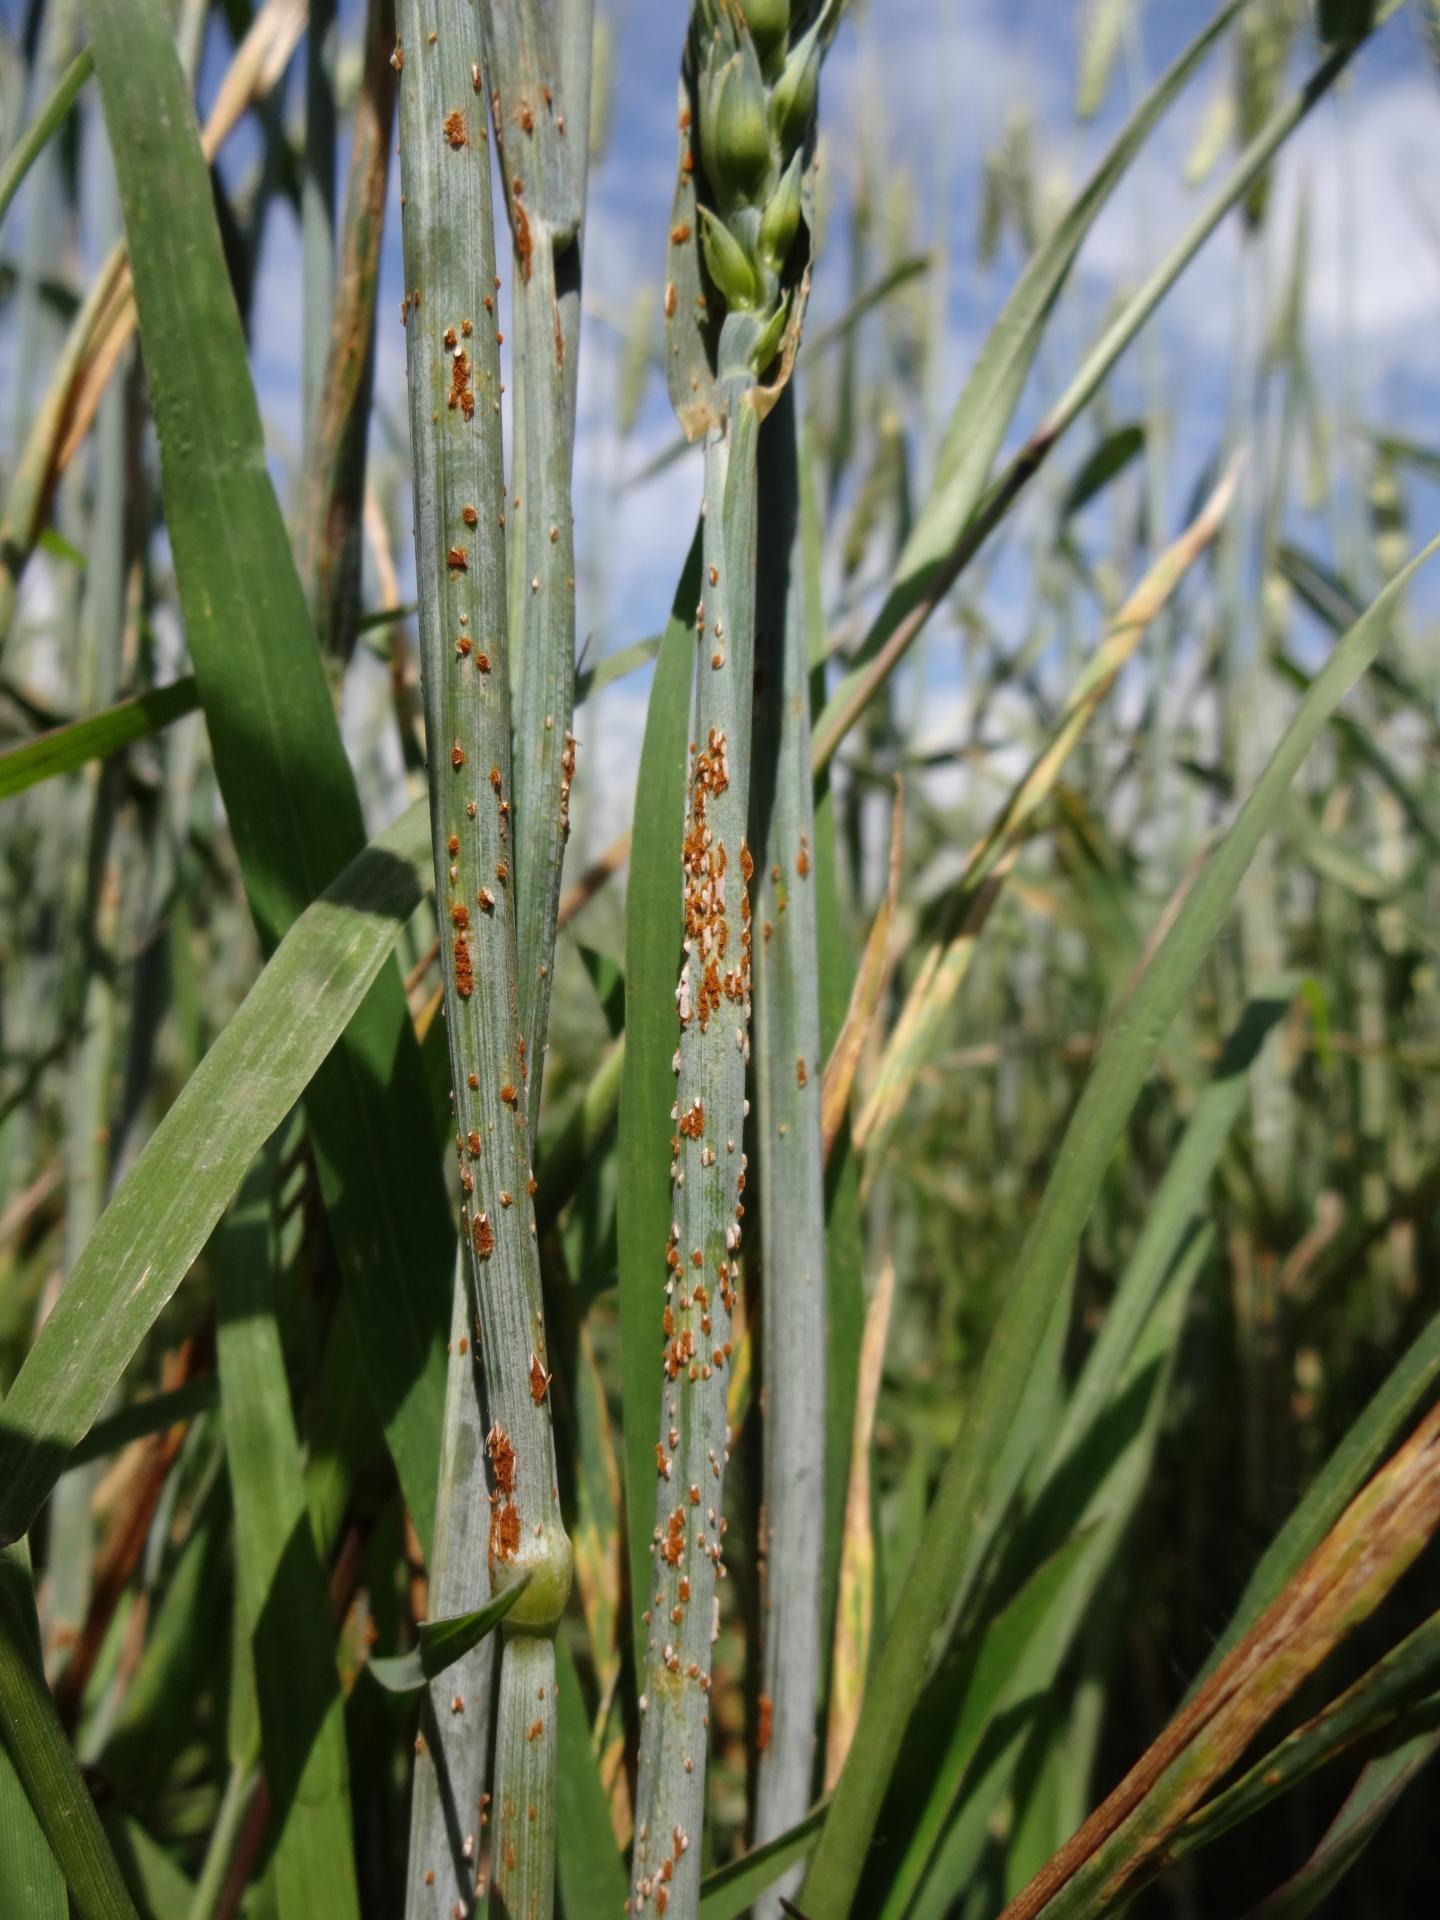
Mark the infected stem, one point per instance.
(452, 343)
(708, 1171)
(540, 61)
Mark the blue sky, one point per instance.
(936, 81)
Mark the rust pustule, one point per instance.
(764, 1722)
(460, 394)
(464, 970)
(524, 243)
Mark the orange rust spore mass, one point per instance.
(464, 970)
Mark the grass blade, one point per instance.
(452, 1754)
(289, 791)
(944, 967)
(703, 1238)
(845, 1310)
(64, 749)
(855, 1598)
(47, 122)
(592, 1873)
(43, 1759)
(1377, 1538)
(788, 1088)
(282, 1584)
(1400, 1682)
(732, 1890)
(1380, 1785)
(191, 1167)
(30, 1878)
(935, 1584)
(442, 1643)
(654, 928)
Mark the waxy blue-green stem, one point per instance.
(452, 351)
(734, 301)
(788, 1075)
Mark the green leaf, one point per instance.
(443, 1642)
(1399, 1687)
(282, 1584)
(30, 1878)
(45, 1764)
(1338, 1481)
(647, 1089)
(732, 1889)
(787, 1133)
(153, 1414)
(289, 792)
(1104, 464)
(51, 117)
(1406, 1754)
(164, 1210)
(592, 1873)
(983, 1686)
(1175, 1210)
(1409, 453)
(59, 548)
(935, 1585)
(844, 1238)
(1090, 1490)
(64, 749)
(614, 667)
(164, 1892)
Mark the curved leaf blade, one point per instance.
(165, 1209)
(939, 1574)
(443, 1642)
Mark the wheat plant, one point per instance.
(850, 1335)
